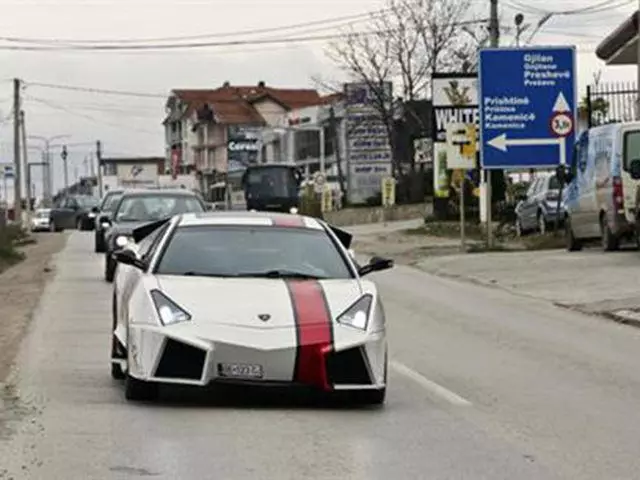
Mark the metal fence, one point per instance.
(610, 103)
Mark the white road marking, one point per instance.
(429, 385)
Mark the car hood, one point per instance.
(241, 302)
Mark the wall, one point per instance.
(362, 216)
(270, 111)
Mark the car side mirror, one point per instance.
(128, 257)
(95, 210)
(376, 264)
(634, 169)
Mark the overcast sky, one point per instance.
(131, 126)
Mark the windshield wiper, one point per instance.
(282, 274)
(203, 274)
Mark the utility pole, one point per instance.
(17, 182)
(64, 156)
(494, 36)
(333, 129)
(638, 68)
(25, 167)
(99, 158)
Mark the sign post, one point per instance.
(527, 107)
(461, 156)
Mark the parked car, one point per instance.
(103, 217)
(538, 207)
(139, 207)
(74, 211)
(601, 196)
(41, 220)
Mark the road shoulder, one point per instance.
(20, 288)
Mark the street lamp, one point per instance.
(47, 194)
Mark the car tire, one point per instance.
(609, 241)
(370, 397)
(109, 268)
(116, 372)
(99, 243)
(139, 390)
(572, 243)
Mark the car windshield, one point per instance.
(110, 202)
(88, 202)
(143, 208)
(260, 252)
(553, 183)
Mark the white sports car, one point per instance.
(247, 298)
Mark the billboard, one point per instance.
(369, 154)
(243, 147)
(137, 174)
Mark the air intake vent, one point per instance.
(181, 361)
(348, 367)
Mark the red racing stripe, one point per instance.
(314, 332)
(288, 221)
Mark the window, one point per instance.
(554, 184)
(148, 244)
(631, 148)
(149, 207)
(252, 251)
(87, 201)
(110, 202)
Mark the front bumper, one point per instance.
(176, 355)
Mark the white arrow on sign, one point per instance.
(501, 142)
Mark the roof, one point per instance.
(236, 104)
(255, 219)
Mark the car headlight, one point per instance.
(105, 225)
(168, 311)
(357, 315)
(293, 210)
(91, 215)
(122, 241)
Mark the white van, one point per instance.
(601, 197)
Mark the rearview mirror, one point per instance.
(376, 264)
(128, 257)
(634, 169)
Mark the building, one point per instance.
(140, 172)
(213, 134)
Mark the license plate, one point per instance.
(239, 370)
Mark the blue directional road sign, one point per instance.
(527, 107)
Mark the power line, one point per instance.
(175, 46)
(295, 26)
(88, 117)
(97, 90)
(599, 7)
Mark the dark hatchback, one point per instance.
(74, 211)
(136, 208)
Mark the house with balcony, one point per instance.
(215, 133)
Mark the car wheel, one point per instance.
(139, 390)
(571, 242)
(609, 240)
(109, 268)
(116, 372)
(370, 397)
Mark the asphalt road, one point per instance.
(483, 385)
